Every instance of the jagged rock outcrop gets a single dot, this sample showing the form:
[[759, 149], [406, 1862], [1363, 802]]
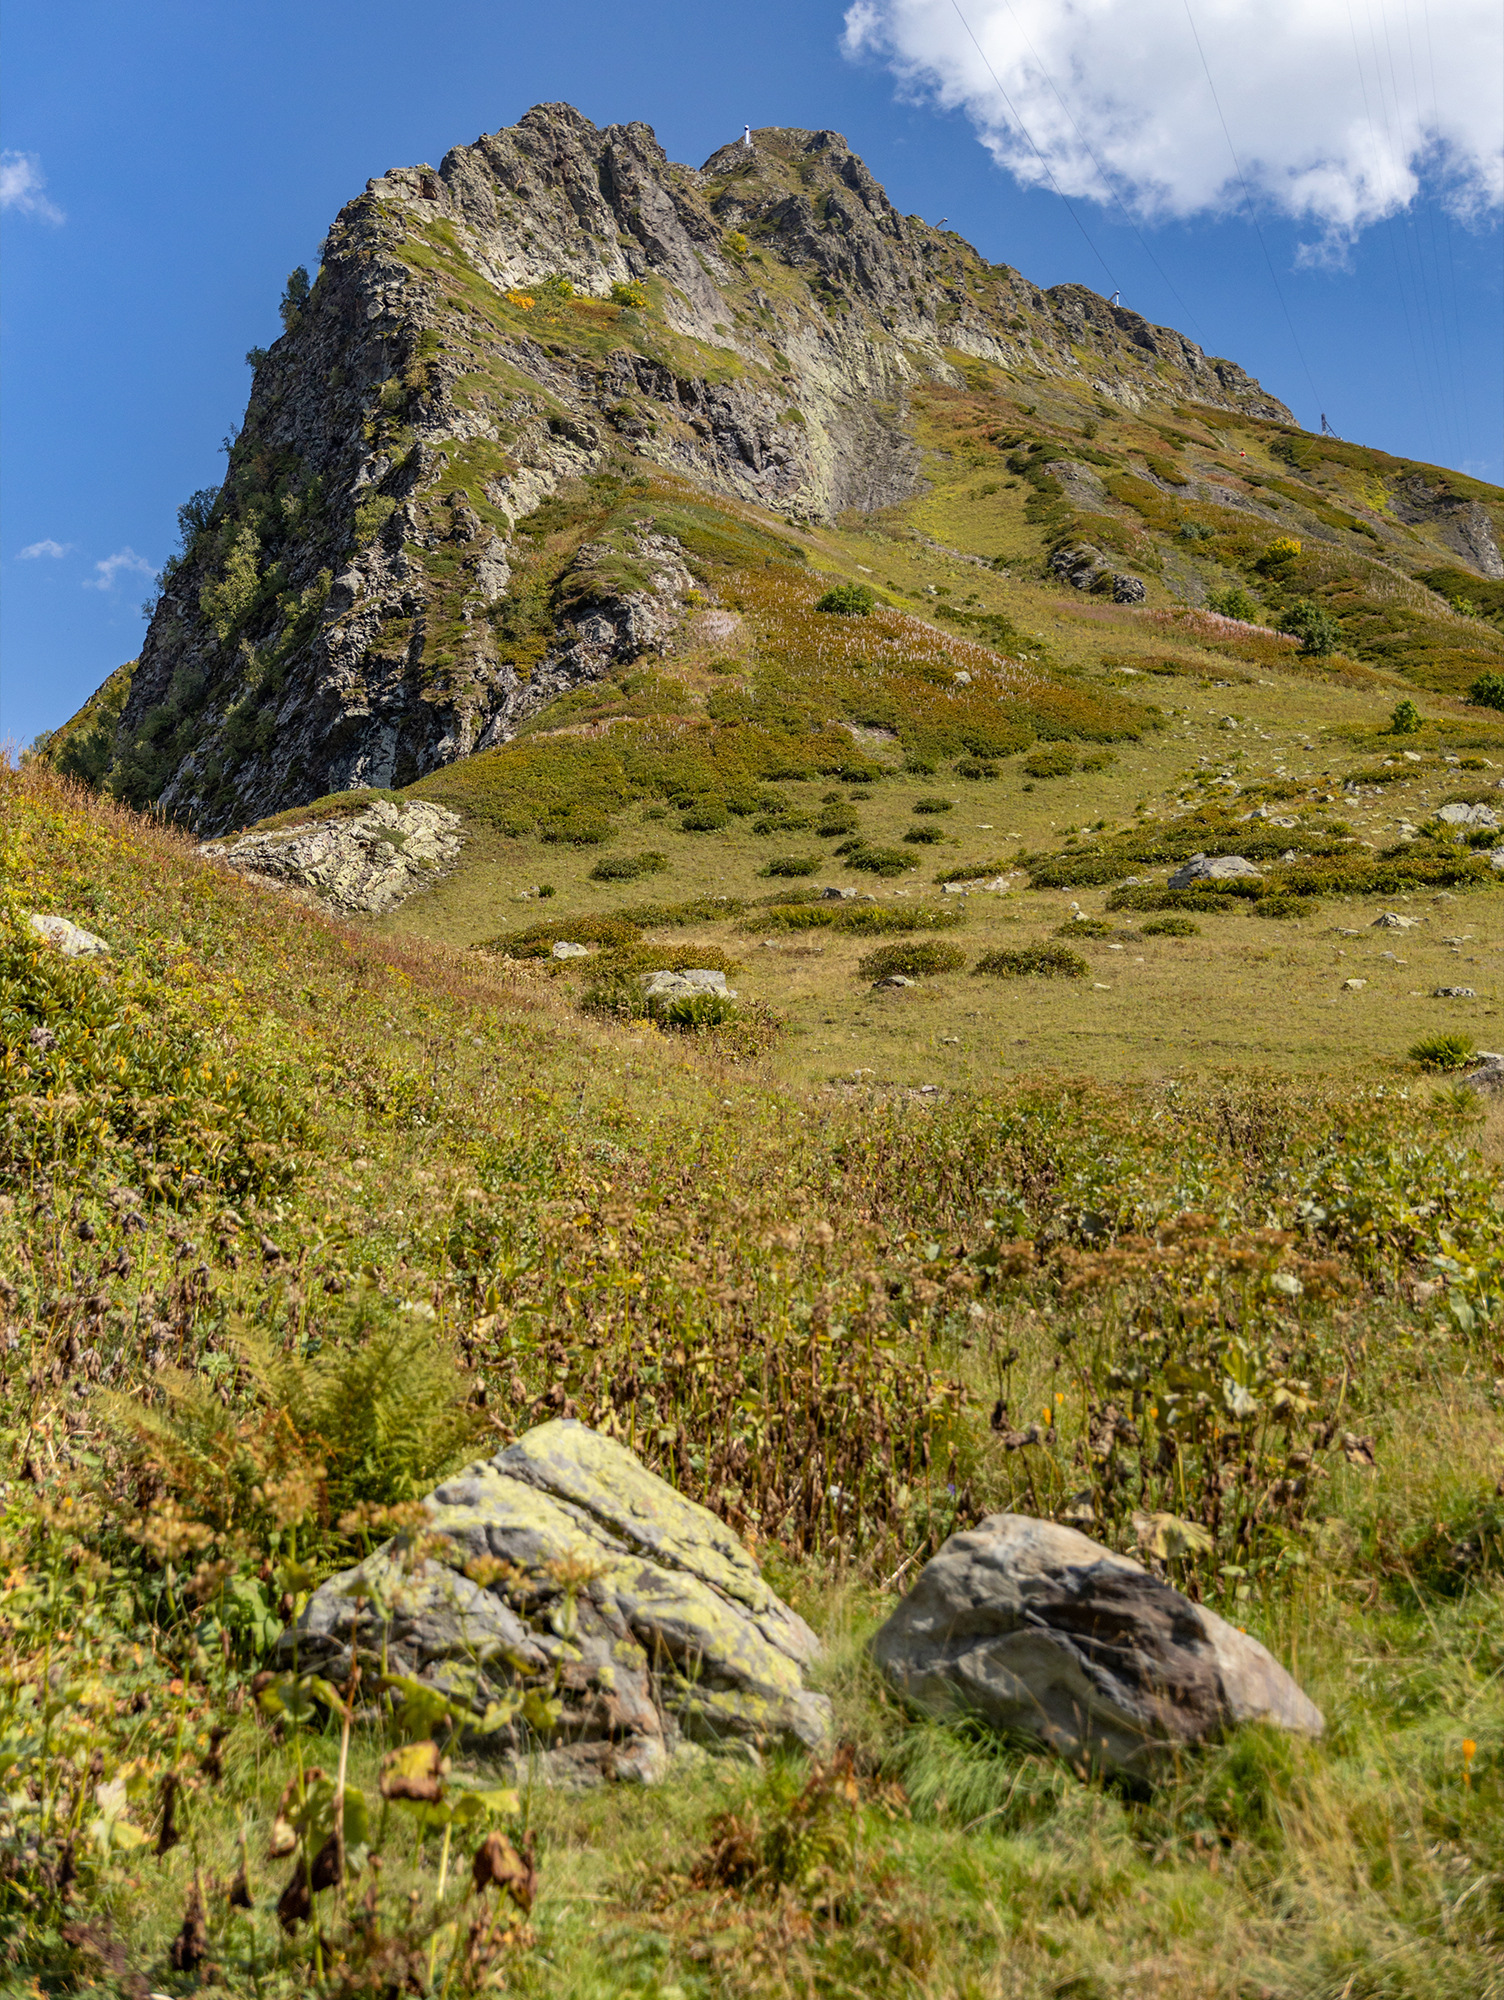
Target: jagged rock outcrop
[[364, 600], [367, 862]]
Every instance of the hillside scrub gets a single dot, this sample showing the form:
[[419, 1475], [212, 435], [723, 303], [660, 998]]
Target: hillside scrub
[[1222, 1303]]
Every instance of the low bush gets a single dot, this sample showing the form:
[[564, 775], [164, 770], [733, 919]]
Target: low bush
[[1406, 719], [1444, 1052], [538, 940], [1146, 896], [628, 867], [1085, 927], [885, 861], [848, 600], [1284, 906], [1044, 961], [708, 816], [1234, 602], [857, 919], [975, 767], [931, 804], [1318, 632], [1050, 760], [1170, 927], [792, 864], [834, 821], [1487, 691], [1382, 774], [924, 836], [911, 961]]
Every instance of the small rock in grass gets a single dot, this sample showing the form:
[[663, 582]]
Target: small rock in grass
[[1453, 993], [1390, 921], [1353, 985], [67, 936], [563, 949], [1040, 1632], [893, 979]]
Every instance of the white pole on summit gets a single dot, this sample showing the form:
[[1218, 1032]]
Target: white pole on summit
[[747, 137]]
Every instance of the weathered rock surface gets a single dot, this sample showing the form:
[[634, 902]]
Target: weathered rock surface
[[1043, 1633], [1213, 868], [67, 937], [1488, 1077], [566, 1572], [367, 861], [1084, 569], [1462, 815], [1391, 920], [659, 988]]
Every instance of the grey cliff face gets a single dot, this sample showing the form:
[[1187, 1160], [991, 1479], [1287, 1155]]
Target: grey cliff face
[[354, 612]]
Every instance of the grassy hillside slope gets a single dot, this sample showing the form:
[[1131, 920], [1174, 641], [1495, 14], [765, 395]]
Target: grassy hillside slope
[[297, 1214]]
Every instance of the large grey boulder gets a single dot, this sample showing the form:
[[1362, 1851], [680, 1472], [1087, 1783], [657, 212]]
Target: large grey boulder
[[1213, 868], [585, 1618], [1043, 1633]]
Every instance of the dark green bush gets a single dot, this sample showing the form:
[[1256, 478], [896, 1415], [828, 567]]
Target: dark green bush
[[911, 961], [856, 919], [1050, 760], [1284, 906], [975, 767], [850, 600], [792, 864], [1234, 602], [706, 816], [629, 867], [1318, 632], [1487, 691], [924, 836], [931, 804], [835, 821], [1171, 927], [1085, 927], [1406, 719], [1046, 961], [884, 861]]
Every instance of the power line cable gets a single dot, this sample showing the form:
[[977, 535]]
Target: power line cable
[[1013, 114], [1252, 214], [1106, 180]]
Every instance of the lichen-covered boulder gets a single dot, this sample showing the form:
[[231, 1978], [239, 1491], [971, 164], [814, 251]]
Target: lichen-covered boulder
[[68, 938], [1043, 1633], [586, 1619], [1213, 868]]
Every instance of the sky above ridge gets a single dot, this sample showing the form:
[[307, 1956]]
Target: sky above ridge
[[1311, 187]]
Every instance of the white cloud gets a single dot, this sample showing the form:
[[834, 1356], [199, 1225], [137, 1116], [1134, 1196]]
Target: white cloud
[[47, 547], [107, 571], [1337, 108], [21, 185]]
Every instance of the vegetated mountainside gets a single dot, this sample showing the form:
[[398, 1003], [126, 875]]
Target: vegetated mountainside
[[460, 488], [298, 1219]]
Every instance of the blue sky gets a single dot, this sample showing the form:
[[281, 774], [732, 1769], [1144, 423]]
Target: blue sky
[[167, 163]]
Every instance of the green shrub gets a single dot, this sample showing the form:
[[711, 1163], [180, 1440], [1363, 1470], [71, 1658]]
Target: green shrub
[[848, 600], [931, 804], [1171, 927], [1487, 691], [1284, 906], [1050, 760], [630, 293], [924, 836], [975, 767], [538, 940], [1195, 531], [884, 861], [1318, 632], [1085, 927], [1444, 1052], [1234, 602], [1381, 774], [629, 867], [911, 961], [1046, 961], [792, 864], [707, 816], [1406, 719], [858, 919], [835, 821]]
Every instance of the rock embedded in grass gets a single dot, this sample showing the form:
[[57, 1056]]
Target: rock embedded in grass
[[1212, 868], [564, 1570], [67, 937], [368, 861], [1040, 1632]]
